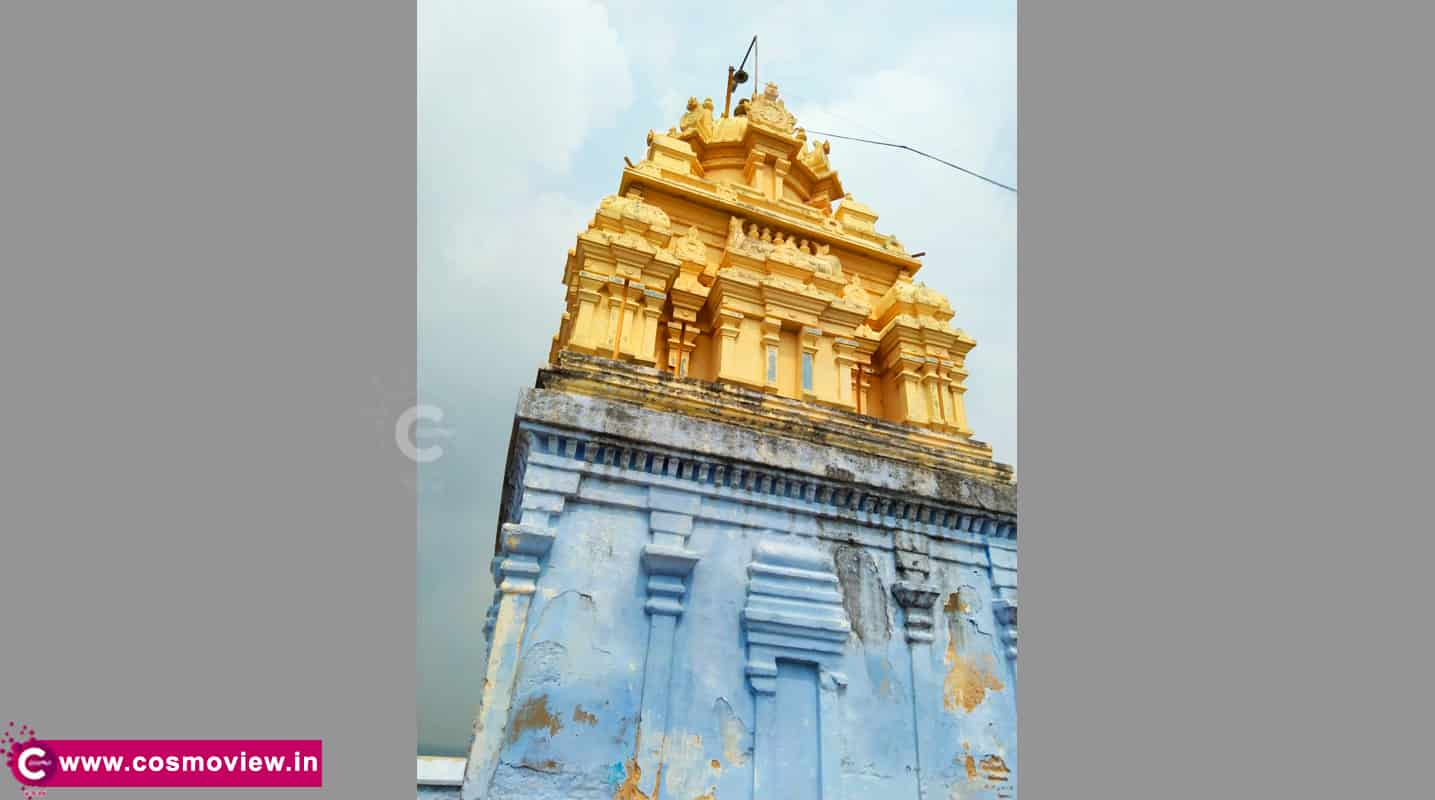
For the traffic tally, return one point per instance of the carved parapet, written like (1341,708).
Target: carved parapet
(628,213)
(673,154)
(855,216)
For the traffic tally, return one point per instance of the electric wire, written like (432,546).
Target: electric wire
(993,182)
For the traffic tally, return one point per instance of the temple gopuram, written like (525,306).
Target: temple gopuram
(749,547)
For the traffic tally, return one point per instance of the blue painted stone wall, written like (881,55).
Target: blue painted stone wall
(668,575)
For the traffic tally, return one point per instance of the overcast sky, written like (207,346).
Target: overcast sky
(525,112)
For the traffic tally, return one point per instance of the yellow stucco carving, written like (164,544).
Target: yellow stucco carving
(732,253)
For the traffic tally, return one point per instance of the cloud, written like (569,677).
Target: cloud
(508,96)
(951,94)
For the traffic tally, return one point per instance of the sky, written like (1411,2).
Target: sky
(525,112)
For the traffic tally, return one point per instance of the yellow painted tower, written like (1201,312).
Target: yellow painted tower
(732,254)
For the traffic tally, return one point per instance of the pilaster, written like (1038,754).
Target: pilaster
(668,564)
(521,551)
(1003,576)
(917,597)
(848,378)
(516,570)
(729,360)
(807,363)
(771,344)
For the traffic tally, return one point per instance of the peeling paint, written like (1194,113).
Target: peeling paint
(735,747)
(967,684)
(994,768)
(864,597)
(629,789)
(567,691)
(579,715)
(532,716)
(967,681)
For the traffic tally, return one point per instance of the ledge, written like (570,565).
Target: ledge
(723,422)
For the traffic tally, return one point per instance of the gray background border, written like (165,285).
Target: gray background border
(208,324)
(1222,213)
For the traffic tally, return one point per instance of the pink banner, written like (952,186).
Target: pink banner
(161,763)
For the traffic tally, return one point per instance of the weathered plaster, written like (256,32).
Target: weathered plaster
(718,616)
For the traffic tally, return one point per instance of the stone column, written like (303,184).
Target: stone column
(516,569)
(1003,575)
(517,564)
(667,563)
(807,363)
(585,327)
(729,363)
(755,172)
(780,168)
(617,288)
(917,598)
(907,373)
(646,346)
(846,357)
(959,406)
(932,387)
(676,357)
(771,342)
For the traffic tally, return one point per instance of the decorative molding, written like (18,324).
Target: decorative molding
(667,568)
(917,601)
(794,613)
(516,568)
(1005,611)
(882,509)
(517,565)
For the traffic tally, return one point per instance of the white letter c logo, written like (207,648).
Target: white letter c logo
(23,763)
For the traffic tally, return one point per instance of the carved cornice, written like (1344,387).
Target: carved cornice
(875,508)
